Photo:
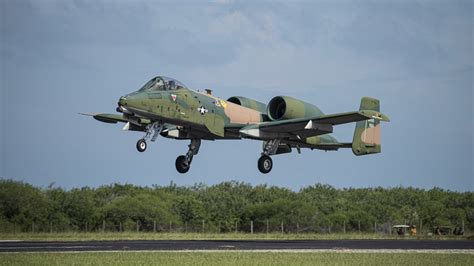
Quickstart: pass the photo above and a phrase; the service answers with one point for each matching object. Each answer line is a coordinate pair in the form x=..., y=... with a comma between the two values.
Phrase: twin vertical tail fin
x=367, y=133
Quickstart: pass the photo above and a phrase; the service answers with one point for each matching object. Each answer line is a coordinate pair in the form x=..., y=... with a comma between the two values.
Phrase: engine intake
x=285, y=107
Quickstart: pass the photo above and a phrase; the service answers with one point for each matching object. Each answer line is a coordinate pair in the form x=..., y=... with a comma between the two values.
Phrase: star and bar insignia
x=202, y=110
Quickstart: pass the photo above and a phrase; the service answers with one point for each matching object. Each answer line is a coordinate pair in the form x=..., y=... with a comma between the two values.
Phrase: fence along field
x=229, y=207
x=211, y=228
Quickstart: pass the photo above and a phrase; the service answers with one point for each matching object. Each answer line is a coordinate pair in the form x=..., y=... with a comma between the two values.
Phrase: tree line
x=227, y=207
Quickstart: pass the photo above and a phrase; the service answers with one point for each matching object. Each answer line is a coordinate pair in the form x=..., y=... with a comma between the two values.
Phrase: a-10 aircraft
x=166, y=107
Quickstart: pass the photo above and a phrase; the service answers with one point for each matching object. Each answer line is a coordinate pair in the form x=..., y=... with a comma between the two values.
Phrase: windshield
x=162, y=84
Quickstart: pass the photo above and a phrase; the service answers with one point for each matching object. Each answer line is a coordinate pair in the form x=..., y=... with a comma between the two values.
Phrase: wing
x=132, y=123
x=308, y=126
x=108, y=118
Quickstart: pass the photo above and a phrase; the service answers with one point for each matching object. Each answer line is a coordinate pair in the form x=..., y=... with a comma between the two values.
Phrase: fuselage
x=192, y=114
x=186, y=108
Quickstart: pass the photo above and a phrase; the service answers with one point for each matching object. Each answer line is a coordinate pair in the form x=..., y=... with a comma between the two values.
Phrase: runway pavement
x=209, y=245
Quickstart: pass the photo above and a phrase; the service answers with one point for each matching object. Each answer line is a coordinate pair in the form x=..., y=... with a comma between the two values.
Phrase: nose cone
x=134, y=99
x=122, y=101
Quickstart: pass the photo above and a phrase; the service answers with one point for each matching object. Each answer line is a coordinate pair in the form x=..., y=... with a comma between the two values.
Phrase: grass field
x=74, y=236
x=234, y=258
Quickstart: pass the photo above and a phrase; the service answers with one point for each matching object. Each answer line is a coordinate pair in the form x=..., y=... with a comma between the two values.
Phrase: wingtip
x=87, y=114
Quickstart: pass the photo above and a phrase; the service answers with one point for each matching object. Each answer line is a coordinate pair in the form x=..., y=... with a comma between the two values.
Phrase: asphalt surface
x=171, y=245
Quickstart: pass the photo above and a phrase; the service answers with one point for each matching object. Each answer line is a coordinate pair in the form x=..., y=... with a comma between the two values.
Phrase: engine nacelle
x=249, y=103
x=285, y=107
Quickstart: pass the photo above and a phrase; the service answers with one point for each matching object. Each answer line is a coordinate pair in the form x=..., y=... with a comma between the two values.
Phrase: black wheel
x=182, y=165
x=265, y=164
x=141, y=145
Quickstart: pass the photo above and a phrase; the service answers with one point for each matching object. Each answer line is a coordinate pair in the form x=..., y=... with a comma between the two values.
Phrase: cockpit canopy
x=161, y=83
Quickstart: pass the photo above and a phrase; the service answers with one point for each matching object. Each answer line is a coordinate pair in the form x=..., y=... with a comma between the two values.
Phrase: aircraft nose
x=122, y=101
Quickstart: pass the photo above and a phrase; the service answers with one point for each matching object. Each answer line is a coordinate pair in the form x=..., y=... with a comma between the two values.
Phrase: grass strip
x=233, y=258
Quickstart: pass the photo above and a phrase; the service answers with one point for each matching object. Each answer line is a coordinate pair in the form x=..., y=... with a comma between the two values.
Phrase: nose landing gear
x=154, y=129
x=183, y=162
x=141, y=145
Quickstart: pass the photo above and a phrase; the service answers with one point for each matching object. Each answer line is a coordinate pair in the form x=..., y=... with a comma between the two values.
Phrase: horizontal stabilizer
x=309, y=126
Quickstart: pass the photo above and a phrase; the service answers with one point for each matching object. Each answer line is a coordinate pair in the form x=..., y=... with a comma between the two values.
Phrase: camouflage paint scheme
x=287, y=122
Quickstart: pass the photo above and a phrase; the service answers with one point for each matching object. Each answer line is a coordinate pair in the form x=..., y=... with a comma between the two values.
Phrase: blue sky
x=59, y=58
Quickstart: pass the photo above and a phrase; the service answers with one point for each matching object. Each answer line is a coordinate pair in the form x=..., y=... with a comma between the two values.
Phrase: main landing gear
x=265, y=163
x=183, y=162
x=154, y=129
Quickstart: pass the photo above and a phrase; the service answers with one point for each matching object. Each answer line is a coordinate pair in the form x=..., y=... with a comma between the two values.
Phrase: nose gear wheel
x=141, y=145
x=152, y=130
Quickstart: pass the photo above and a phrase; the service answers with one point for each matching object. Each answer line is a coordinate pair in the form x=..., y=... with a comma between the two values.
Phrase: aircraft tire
x=265, y=164
x=181, y=165
x=141, y=145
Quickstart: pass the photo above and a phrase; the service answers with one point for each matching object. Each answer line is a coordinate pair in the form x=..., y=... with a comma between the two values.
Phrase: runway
x=231, y=245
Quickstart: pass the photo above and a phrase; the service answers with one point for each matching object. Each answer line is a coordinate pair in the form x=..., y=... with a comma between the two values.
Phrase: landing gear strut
x=265, y=163
x=183, y=162
x=154, y=129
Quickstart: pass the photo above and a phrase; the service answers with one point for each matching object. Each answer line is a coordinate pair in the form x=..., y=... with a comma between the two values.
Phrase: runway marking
x=365, y=251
